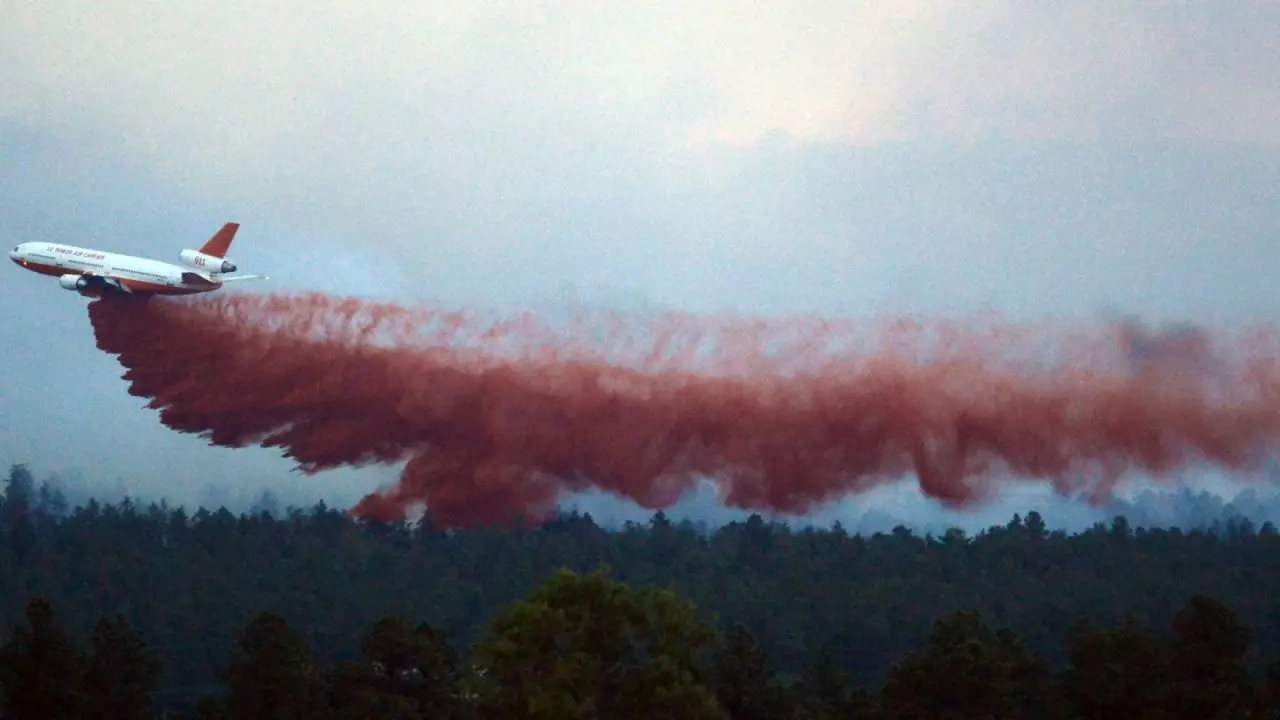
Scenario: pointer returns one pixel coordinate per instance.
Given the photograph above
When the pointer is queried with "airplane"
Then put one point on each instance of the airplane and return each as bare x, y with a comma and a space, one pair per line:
93, 273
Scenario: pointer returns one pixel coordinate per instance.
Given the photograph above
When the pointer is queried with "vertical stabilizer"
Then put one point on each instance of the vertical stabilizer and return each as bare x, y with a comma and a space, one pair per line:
220, 243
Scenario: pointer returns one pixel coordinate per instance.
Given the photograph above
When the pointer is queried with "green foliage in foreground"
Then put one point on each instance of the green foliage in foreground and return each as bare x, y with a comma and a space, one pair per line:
587, 646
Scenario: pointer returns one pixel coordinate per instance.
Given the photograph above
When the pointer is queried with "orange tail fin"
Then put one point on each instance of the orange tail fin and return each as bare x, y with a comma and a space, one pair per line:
220, 243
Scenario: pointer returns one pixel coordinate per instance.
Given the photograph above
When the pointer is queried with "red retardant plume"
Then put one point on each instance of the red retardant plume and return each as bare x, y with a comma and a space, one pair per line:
502, 416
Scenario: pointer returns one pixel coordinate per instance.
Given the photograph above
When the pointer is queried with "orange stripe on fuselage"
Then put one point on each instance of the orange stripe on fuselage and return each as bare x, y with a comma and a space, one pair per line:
42, 269
141, 286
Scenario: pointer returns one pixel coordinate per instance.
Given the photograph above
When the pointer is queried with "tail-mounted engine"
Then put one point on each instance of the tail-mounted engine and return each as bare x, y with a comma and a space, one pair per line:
201, 261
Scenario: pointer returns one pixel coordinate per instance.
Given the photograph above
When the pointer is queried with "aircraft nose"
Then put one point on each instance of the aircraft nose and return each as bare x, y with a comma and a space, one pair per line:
15, 253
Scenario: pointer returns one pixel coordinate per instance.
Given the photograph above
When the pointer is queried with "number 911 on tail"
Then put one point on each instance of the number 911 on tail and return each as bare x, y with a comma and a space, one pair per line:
94, 273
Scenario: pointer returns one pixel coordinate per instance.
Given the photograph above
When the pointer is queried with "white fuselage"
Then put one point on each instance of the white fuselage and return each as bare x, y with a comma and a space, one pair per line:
135, 274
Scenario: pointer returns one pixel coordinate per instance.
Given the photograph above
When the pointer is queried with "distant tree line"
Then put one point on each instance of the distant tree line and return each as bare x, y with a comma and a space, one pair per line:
157, 610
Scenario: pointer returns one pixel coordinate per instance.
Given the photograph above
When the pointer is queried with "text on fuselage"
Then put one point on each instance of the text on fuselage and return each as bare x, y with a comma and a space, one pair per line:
77, 253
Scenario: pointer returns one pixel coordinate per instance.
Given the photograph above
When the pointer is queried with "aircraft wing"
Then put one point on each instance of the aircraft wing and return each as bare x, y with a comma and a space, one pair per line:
118, 285
109, 282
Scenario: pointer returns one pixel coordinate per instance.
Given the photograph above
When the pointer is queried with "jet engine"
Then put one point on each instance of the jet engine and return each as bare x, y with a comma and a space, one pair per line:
199, 260
71, 281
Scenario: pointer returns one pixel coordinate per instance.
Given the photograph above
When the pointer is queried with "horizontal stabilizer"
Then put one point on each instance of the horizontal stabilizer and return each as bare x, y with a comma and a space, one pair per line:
191, 278
244, 277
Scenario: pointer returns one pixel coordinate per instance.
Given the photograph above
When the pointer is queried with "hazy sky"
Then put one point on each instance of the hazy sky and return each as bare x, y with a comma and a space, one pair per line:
845, 158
